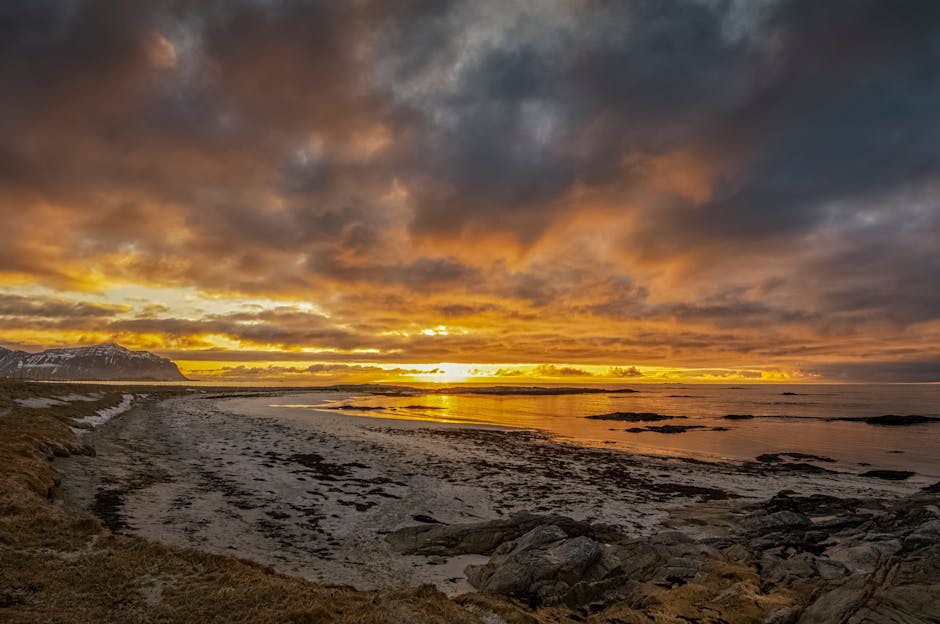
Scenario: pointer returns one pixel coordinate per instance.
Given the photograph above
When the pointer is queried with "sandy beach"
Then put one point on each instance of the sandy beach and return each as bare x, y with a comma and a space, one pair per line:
314, 493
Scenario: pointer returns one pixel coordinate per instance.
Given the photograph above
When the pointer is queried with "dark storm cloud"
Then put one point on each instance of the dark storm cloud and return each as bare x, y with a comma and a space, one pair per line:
850, 110
420, 275
721, 165
851, 113
54, 308
545, 108
922, 371
813, 102
286, 329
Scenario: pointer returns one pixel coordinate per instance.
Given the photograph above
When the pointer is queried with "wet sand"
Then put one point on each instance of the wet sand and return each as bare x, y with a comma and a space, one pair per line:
313, 493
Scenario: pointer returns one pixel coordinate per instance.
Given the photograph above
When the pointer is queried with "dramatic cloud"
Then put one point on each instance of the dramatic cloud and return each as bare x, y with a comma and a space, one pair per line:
723, 187
550, 370
619, 371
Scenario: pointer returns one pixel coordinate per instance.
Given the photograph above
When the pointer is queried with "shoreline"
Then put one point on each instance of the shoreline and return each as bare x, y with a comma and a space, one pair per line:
684, 545
712, 426
314, 493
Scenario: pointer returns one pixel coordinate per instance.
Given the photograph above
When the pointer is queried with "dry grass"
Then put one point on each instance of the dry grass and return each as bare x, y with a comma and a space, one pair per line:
58, 568
55, 567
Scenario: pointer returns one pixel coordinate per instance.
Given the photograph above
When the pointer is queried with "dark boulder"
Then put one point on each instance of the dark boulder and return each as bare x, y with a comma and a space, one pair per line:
480, 538
889, 475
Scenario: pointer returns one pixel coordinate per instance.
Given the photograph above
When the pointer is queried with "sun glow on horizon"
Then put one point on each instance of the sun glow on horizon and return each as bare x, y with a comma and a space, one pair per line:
320, 373
221, 337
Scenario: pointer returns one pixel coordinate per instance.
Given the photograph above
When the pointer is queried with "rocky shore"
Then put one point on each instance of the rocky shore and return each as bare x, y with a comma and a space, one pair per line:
790, 559
515, 526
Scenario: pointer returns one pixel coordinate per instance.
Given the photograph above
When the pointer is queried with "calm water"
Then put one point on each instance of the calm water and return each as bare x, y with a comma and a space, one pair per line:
783, 423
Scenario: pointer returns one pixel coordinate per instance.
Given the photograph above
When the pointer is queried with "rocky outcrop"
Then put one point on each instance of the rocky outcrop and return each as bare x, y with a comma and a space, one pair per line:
892, 420
632, 417
889, 475
480, 538
788, 560
544, 562
771, 458
665, 428
548, 567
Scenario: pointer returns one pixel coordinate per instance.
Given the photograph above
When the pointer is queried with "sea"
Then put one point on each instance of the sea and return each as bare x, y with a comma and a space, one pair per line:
786, 419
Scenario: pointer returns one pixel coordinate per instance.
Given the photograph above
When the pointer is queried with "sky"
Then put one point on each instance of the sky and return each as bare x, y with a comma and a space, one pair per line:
561, 191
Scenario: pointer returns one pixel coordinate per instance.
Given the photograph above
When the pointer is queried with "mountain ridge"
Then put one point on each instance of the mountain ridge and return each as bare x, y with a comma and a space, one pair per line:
102, 362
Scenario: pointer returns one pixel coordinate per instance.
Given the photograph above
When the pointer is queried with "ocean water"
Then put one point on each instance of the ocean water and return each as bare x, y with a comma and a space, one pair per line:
788, 418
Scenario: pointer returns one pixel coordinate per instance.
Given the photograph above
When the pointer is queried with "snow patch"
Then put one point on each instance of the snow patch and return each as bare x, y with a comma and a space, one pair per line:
106, 414
80, 397
39, 402
44, 402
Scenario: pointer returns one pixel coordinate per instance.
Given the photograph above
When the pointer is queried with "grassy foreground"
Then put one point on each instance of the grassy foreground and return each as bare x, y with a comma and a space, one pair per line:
55, 567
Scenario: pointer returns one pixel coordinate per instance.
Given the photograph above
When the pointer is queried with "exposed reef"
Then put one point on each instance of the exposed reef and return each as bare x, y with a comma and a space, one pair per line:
791, 559
632, 417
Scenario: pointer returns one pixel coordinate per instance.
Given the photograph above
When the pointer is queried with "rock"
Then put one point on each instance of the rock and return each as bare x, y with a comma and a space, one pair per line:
738, 417
890, 475
688, 490
641, 559
891, 420
863, 558
667, 428
902, 589
830, 570
784, 615
632, 417
838, 524
777, 457
832, 605
477, 538
776, 521
544, 564
792, 558
814, 505
801, 467
906, 591
602, 593
677, 571
356, 408
737, 552
671, 538
776, 570
926, 534
602, 582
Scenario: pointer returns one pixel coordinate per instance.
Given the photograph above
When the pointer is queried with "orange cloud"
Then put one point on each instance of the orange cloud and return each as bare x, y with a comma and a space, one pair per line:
348, 185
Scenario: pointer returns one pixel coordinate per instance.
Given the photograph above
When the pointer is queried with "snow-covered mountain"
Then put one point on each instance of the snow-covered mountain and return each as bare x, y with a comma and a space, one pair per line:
104, 362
